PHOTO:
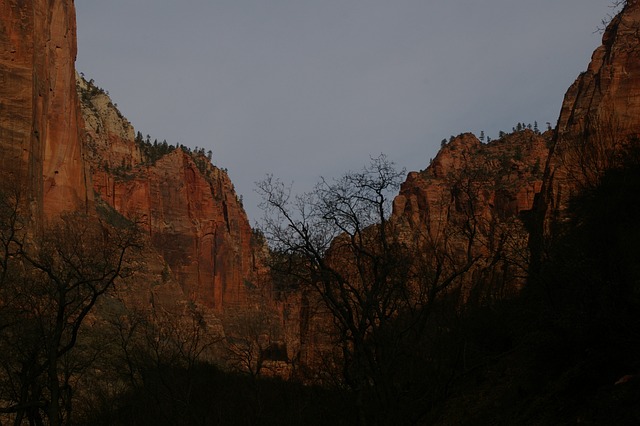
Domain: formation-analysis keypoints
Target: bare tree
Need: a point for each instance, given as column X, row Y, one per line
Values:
column 616, row 7
column 157, row 351
column 369, row 272
column 250, row 335
column 49, row 289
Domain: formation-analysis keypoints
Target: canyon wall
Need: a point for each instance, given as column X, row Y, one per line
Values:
column 187, row 206
column 469, row 203
column 62, row 140
column 598, row 124
column 40, row 144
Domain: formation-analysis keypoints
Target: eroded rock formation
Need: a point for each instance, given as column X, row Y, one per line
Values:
column 599, row 121
column 39, row 116
column 64, row 141
column 187, row 206
column 467, row 206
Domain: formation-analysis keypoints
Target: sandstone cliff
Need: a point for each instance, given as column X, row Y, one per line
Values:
column 108, row 136
column 467, row 205
column 64, row 141
column 39, row 117
column 187, row 206
column 598, row 122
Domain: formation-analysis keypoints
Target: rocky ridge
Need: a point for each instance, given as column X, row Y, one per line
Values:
column 598, row 124
column 187, row 206
column 476, row 193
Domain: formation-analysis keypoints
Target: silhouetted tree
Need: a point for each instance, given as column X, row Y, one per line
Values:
column 50, row 283
column 369, row 273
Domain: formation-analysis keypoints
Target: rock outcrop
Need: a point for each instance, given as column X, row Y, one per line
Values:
column 64, row 141
column 188, row 207
column 473, row 195
column 48, row 152
column 195, row 221
column 39, row 117
column 599, row 120
column 108, row 136
column 508, row 172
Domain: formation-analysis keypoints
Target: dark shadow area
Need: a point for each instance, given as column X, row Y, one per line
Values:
column 208, row 396
column 567, row 351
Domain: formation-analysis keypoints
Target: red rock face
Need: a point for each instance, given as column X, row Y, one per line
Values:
column 507, row 173
column 39, row 113
column 600, row 117
column 195, row 221
column 477, row 192
column 199, row 235
column 42, row 132
column 191, row 212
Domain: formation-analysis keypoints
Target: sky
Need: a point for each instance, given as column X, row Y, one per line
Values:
column 308, row 88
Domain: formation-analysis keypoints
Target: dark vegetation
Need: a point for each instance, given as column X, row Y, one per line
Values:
column 565, row 350
column 219, row 398
column 50, row 282
column 153, row 151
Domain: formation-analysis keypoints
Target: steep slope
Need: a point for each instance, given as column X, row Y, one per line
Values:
column 62, row 144
column 187, row 206
column 40, row 142
column 573, row 335
column 599, row 120
column 467, row 205
column 47, row 150
column 108, row 135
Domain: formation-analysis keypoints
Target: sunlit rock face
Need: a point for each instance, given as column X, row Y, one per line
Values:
column 40, row 144
column 44, row 149
column 469, row 203
column 196, row 222
column 64, row 142
column 508, row 172
column 600, row 118
column 188, row 207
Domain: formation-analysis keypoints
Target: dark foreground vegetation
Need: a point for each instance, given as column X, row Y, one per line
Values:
column 207, row 396
column 566, row 350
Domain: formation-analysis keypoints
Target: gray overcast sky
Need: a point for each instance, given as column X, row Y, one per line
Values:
column 304, row 88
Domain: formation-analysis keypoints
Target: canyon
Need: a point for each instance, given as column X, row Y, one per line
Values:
column 66, row 148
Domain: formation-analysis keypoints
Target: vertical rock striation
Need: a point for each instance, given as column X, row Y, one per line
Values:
column 195, row 221
column 61, row 143
column 39, row 115
column 188, row 207
column 469, row 202
column 598, row 122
